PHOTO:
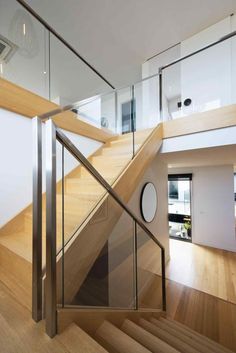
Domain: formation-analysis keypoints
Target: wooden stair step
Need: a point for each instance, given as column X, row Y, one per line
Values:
column 87, row 177
column 113, row 159
column 116, row 341
column 70, row 210
column 105, row 169
column 120, row 137
column 83, row 186
column 118, row 143
column 138, row 138
column 148, row 340
column 187, row 331
column 140, row 133
column 77, row 341
column 167, row 337
column 123, row 151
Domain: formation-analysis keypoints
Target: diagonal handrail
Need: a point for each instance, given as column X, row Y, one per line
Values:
column 65, row 141
column 61, row 137
column 53, row 134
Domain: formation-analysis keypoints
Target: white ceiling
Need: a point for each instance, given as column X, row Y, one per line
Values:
column 117, row 36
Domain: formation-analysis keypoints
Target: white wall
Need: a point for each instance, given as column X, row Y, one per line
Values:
column 206, row 77
column 171, row 80
column 16, row 162
column 213, row 220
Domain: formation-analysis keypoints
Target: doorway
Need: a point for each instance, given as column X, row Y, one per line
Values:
column 128, row 116
column 179, row 206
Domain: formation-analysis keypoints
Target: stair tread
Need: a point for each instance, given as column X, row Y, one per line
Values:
column 167, row 337
column 78, row 341
column 117, row 340
column 151, row 342
column 187, row 331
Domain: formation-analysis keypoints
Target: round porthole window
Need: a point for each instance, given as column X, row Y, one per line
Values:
column 148, row 202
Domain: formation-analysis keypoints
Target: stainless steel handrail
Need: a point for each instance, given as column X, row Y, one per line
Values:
column 65, row 141
column 91, row 99
column 226, row 37
column 62, row 40
column 61, row 137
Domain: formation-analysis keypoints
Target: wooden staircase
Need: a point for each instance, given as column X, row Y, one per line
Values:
column 140, row 333
column 84, row 198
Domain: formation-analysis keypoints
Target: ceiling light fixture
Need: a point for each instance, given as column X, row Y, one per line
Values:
column 23, row 33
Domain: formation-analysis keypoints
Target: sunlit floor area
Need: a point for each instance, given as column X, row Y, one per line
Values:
column 213, row 317
column 206, row 269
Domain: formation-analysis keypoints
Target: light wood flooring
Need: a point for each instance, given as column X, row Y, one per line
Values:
column 209, row 270
column 204, row 313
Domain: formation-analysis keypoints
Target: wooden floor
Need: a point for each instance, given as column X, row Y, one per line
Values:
column 209, row 270
column 204, row 313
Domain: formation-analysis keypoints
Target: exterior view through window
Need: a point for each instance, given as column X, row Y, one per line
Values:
column 179, row 206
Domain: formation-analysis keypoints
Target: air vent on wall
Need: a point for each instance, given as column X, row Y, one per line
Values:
column 7, row 49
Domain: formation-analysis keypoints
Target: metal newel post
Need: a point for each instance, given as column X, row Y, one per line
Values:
column 136, row 295
column 163, row 270
column 51, row 292
column 37, row 221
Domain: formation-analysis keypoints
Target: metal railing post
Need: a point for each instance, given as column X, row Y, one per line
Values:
column 160, row 94
column 116, row 112
column 133, row 118
column 135, row 267
column 163, row 271
column 37, row 221
column 51, row 292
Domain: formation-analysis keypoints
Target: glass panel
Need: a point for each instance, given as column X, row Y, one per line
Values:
column 99, row 111
column 98, row 258
column 71, row 79
column 23, row 49
column 199, row 83
column 146, row 109
column 172, row 92
column 124, row 124
column 233, row 68
column 148, row 272
column 113, row 157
